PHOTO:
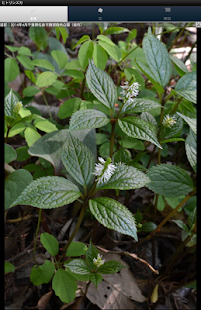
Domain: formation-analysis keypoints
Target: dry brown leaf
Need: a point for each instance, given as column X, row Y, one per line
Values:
column 43, row 301
column 117, row 290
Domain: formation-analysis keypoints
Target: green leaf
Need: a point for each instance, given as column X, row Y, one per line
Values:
column 191, row 149
column 81, row 40
column 144, row 69
column 69, row 107
column 101, row 85
column 179, row 65
column 25, row 61
column 110, row 267
column 46, row 79
column 113, row 215
column 42, row 274
column 76, row 74
column 31, row 136
column 17, row 128
column 148, row 226
column 91, row 253
column 64, row 285
column 30, row 91
column 192, row 218
column 181, row 225
column 105, row 39
column 8, row 267
column 88, row 119
column 24, row 51
column 187, row 86
column 99, row 57
column 161, row 203
column 11, row 69
column 168, row 180
column 9, row 153
column 49, row 146
column 63, row 32
column 172, row 140
column 174, row 202
column 147, row 117
column 125, row 178
column 192, row 122
column 50, row 243
column 101, row 138
column 14, row 184
column 140, row 105
column 138, row 217
column 12, row 48
column 30, row 75
column 85, row 53
column 22, row 153
column 78, row 266
column 77, row 159
column 132, row 143
column 122, row 156
column 48, row 192
column 137, row 128
column 175, row 129
column 115, row 30
column 39, row 36
column 45, row 125
column 76, row 249
column 112, row 49
column 96, row 279
column 43, row 63
column 157, row 58
column 60, row 58
column 11, row 103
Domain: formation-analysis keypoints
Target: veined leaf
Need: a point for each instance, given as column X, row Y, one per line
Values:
column 113, row 215
column 157, row 58
column 191, row 149
column 115, row 30
column 147, row 117
column 187, row 86
column 101, row 85
column 96, row 278
column 11, row 103
column 179, row 65
column 110, row 267
column 60, row 57
column 43, row 63
column 124, row 178
column 25, row 61
column 64, row 285
column 88, row 119
column 82, row 40
column 77, row 159
column 168, row 180
column 169, row 132
column 48, row 192
column 140, row 105
column 137, row 128
column 192, row 122
column 78, row 266
column 144, row 69
column 91, row 253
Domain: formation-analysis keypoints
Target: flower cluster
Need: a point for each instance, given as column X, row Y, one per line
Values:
column 169, row 121
column 130, row 91
column 104, row 170
column 98, row 261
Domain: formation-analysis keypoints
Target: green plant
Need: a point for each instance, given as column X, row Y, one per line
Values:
column 128, row 123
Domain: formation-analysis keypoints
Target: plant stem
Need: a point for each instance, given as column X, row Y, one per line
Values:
column 37, row 229
column 176, row 39
column 82, row 88
column 112, row 139
column 75, row 230
column 50, row 114
column 158, row 228
column 176, row 106
column 174, row 257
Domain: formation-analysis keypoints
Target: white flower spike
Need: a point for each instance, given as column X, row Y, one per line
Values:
column 104, row 170
column 169, row 121
column 98, row 261
column 130, row 91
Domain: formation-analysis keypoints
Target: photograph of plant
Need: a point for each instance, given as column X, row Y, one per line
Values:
column 100, row 166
